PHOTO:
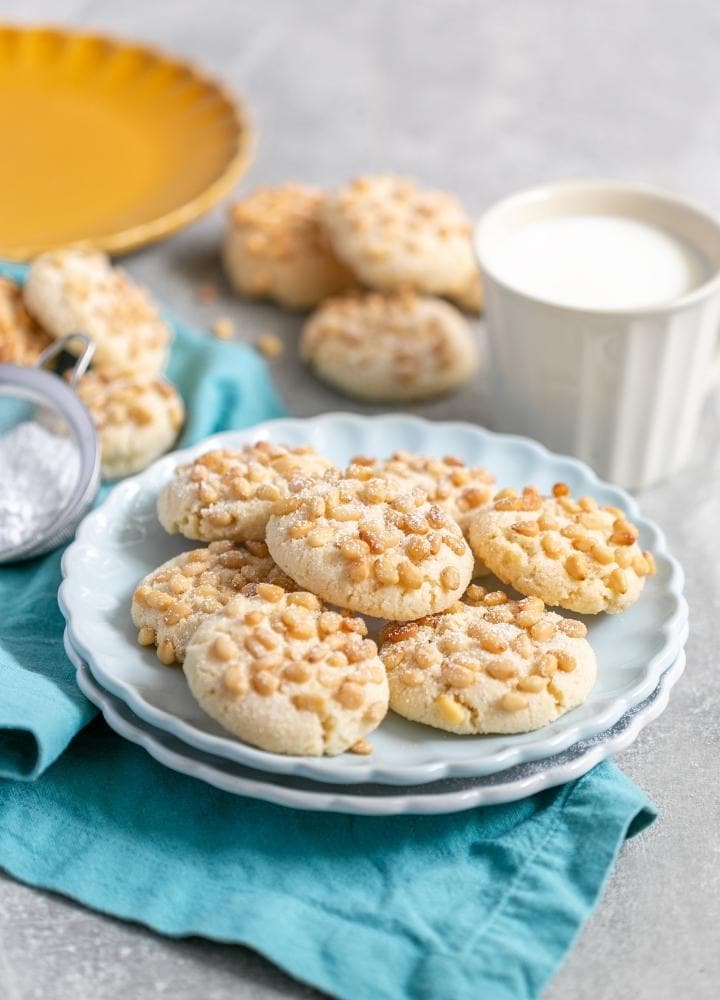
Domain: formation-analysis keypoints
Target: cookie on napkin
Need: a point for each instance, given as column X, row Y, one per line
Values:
column 138, row 418
column 79, row 291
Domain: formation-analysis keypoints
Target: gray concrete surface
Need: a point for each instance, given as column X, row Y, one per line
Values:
column 481, row 97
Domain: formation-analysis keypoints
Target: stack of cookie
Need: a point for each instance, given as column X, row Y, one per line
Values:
column 409, row 248
column 265, row 618
column 138, row 413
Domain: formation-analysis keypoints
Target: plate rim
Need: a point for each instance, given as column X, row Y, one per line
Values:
column 347, row 802
column 673, row 627
column 143, row 233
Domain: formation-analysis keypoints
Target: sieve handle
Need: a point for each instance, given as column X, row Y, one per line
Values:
column 63, row 344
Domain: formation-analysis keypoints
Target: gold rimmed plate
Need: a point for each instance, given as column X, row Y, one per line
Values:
column 108, row 143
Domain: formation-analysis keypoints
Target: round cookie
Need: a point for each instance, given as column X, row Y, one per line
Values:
column 71, row 291
column 287, row 675
column 394, row 234
column 275, row 247
column 470, row 298
column 573, row 554
column 170, row 603
column 363, row 543
column 395, row 348
column 229, row 493
column 22, row 340
column 138, row 418
column 459, row 489
column 500, row 666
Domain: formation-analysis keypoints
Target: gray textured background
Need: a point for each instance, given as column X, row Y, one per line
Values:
column 481, row 97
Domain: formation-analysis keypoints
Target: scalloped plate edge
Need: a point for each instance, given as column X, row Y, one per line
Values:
column 673, row 628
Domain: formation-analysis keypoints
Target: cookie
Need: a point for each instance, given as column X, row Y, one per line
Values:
column 170, row 603
column 285, row 674
column 393, row 234
column 275, row 247
column 138, row 418
column 571, row 553
column 459, row 489
column 470, row 298
column 79, row 291
column 22, row 340
column 229, row 493
column 394, row 348
column 499, row 666
column 363, row 543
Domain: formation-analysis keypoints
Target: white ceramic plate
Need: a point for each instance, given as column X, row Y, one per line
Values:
column 450, row 795
column 122, row 541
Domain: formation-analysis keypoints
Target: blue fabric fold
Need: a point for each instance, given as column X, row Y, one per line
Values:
column 478, row 904
column 484, row 903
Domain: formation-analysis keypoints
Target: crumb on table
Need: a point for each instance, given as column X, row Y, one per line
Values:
column 207, row 292
column 223, row 328
column 269, row 345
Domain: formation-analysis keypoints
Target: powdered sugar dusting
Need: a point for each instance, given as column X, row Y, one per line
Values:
column 38, row 472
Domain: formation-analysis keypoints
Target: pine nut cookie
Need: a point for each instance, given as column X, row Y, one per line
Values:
column 170, row 603
column 229, row 493
column 499, row 666
column 394, row 234
column 79, row 291
column 393, row 348
column 459, row 489
column 275, row 247
column 138, row 418
column 285, row 674
column 22, row 340
column 365, row 544
column 571, row 553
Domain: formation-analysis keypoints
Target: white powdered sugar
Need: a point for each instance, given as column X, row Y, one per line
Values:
column 38, row 472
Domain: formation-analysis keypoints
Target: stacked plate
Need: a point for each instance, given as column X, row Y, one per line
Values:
column 413, row 769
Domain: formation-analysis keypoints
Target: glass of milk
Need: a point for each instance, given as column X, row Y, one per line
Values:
column 603, row 310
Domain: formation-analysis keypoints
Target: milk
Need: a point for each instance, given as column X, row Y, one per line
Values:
column 598, row 262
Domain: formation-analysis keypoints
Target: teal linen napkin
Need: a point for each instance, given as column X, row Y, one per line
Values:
column 478, row 904
column 224, row 386
column 481, row 904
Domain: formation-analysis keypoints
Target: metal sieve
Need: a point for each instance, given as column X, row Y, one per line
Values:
column 48, row 399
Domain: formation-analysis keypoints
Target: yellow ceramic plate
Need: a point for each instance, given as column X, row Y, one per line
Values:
column 107, row 143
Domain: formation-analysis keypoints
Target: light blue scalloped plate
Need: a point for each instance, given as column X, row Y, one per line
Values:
column 444, row 796
column 121, row 541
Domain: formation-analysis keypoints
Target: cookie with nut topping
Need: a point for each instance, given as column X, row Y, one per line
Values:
column 71, row 291
column 22, row 339
column 364, row 543
column 284, row 673
column 394, row 234
column 571, row 553
column 170, row 603
column 276, row 247
column 458, row 488
column 229, row 493
column 137, row 417
column 488, row 665
column 394, row 347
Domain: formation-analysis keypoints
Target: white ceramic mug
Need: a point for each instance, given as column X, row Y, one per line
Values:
column 621, row 389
